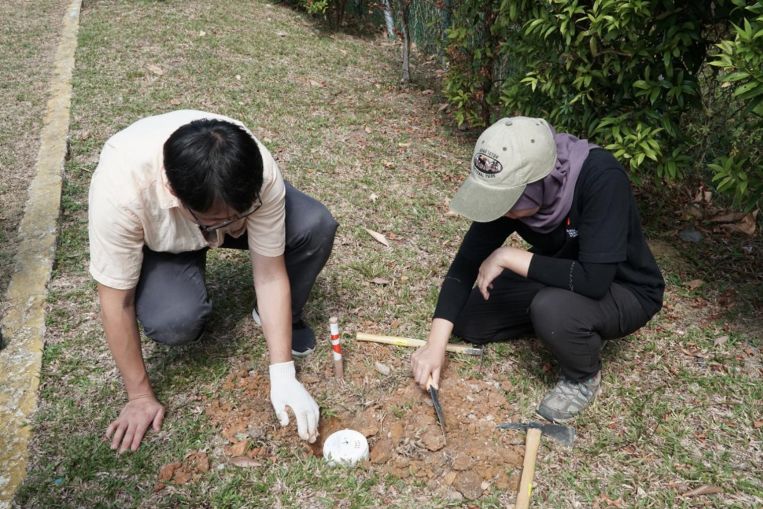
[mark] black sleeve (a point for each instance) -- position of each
(481, 240)
(604, 221)
(588, 279)
(603, 232)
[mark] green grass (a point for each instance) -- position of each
(329, 108)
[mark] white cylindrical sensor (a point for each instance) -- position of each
(345, 447)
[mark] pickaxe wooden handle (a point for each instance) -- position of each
(532, 442)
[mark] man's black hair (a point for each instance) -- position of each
(210, 162)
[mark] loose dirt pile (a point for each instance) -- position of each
(395, 415)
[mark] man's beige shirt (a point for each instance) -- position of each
(131, 206)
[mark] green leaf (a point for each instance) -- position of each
(749, 90)
(641, 84)
(736, 76)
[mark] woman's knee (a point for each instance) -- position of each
(549, 313)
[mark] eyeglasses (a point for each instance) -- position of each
(214, 227)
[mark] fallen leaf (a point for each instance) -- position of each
(694, 284)
(244, 462)
(757, 424)
(747, 225)
(607, 502)
(316, 84)
(378, 237)
(202, 33)
(155, 69)
(382, 368)
(727, 217)
(237, 449)
(367, 130)
(388, 164)
(721, 340)
(159, 487)
(380, 281)
(693, 211)
(257, 451)
(443, 107)
(703, 490)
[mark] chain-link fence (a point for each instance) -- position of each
(429, 21)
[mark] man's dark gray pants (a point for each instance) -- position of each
(171, 300)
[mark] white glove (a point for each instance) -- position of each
(286, 390)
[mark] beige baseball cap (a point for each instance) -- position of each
(509, 154)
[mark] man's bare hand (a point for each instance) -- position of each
(133, 422)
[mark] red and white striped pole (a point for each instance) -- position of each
(336, 348)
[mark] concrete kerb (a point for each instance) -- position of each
(24, 324)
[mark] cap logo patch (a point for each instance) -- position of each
(486, 164)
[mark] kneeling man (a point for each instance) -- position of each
(166, 189)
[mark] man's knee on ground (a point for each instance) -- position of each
(175, 330)
(317, 230)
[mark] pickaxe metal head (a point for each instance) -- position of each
(562, 434)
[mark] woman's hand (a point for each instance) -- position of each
(429, 359)
(490, 269)
(511, 258)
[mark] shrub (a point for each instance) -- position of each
(632, 75)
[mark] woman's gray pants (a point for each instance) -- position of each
(171, 300)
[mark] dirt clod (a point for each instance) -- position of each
(433, 439)
(381, 452)
(462, 462)
(469, 484)
(193, 465)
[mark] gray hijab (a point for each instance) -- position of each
(553, 194)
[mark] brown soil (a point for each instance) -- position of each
(399, 421)
(193, 465)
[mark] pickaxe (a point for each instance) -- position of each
(563, 434)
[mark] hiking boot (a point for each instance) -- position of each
(302, 339)
(567, 399)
